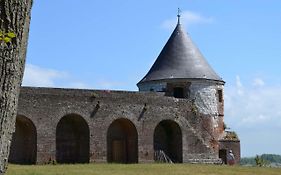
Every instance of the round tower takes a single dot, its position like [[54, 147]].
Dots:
[[181, 71]]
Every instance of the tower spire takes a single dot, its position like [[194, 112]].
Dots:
[[179, 15]]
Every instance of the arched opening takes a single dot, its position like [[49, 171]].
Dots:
[[122, 142], [223, 155], [168, 142], [23, 147], [178, 92], [72, 140]]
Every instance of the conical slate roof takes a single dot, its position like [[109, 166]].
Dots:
[[180, 59]]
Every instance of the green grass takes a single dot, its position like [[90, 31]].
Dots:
[[139, 169]]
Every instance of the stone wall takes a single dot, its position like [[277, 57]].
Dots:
[[207, 99], [156, 86], [233, 145], [45, 107]]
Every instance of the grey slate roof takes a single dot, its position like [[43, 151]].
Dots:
[[180, 59]]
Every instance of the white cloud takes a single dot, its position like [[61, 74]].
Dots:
[[38, 76], [44, 77], [254, 111], [250, 105], [258, 82], [239, 86], [188, 18], [77, 85], [106, 84], [238, 82]]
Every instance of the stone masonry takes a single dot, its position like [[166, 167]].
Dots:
[[177, 116], [45, 107]]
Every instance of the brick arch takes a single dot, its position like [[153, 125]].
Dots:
[[72, 140], [122, 142], [24, 143], [167, 141]]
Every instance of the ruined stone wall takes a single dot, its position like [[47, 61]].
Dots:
[[46, 106], [209, 106], [204, 92], [233, 145], [206, 100]]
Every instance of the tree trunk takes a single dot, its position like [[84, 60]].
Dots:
[[14, 18]]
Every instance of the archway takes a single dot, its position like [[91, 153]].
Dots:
[[122, 142], [223, 155], [72, 140], [168, 142], [23, 147]]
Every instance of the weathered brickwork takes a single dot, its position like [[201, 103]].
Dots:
[[176, 117], [234, 146], [45, 107], [205, 99], [156, 86]]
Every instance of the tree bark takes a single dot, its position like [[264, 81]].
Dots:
[[15, 18]]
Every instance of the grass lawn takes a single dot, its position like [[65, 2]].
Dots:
[[138, 169]]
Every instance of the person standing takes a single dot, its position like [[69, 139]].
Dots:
[[230, 158]]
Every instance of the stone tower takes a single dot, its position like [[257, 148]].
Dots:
[[181, 71], [183, 123]]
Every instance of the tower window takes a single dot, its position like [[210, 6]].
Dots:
[[178, 92], [220, 95]]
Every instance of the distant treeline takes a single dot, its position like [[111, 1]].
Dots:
[[269, 158]]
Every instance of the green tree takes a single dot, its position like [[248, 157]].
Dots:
[[14, 29], [260, 161], [272, 158]]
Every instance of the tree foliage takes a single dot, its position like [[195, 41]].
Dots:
[[262, 160], [273, 158]]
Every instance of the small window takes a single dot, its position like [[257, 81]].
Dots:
[[220, 95], [178, 92]]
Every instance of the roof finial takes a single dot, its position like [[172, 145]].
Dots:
[[179, 15]]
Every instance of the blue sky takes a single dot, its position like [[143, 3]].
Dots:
[[112, 44]]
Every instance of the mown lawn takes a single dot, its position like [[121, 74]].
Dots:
[[139, 169]]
